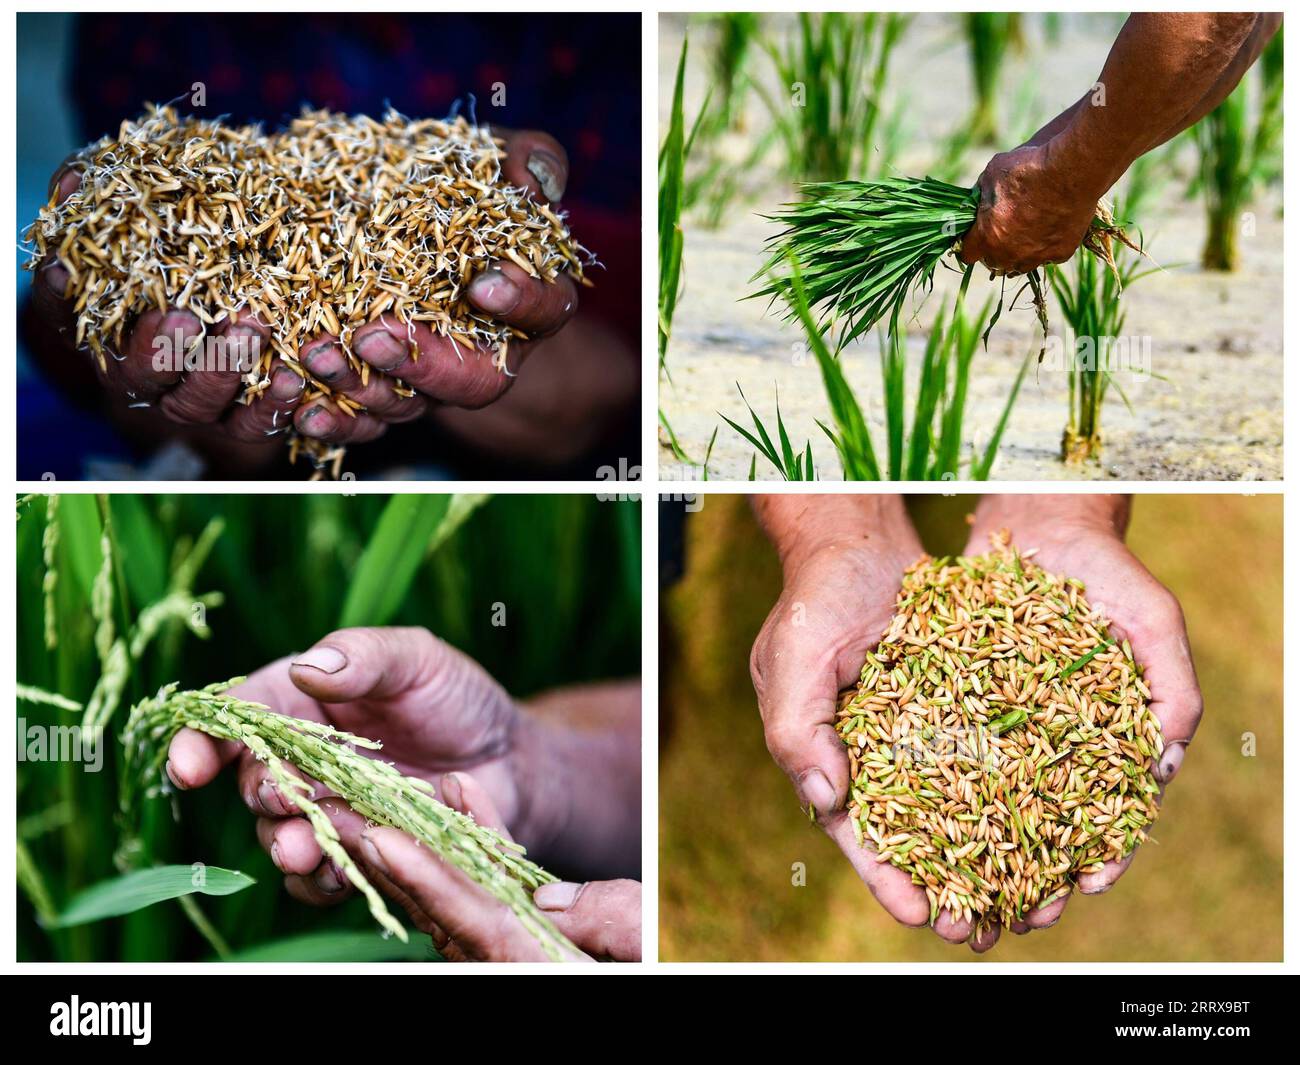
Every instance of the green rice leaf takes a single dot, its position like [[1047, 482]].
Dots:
[[134, 891]]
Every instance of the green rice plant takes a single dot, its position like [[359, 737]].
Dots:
[[1089, 297], [792, 465], [673, 154], [733, 42], [1236, 158], [989, 35], [865, 246], [832, 76], [1268, 136], [262, 577], [922, 444]]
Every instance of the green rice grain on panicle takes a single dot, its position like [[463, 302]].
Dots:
[[373, 788]]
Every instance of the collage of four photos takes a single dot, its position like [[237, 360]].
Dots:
[[409, 560]]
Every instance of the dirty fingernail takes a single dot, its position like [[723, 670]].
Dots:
[[316, 421], [328, 879], [381, 349], [171, 775], [286, 385], [326, 361], [1172, 761], [326, 659], [558, 896], [816, 789], [549, 174], [494, 292]]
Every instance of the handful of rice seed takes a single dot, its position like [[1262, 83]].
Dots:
[[318, 228], [373, 788], [1000, 742]]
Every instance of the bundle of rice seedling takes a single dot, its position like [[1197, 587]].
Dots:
[[318, 228], [373, 788], [863, 246], [1000, 740]]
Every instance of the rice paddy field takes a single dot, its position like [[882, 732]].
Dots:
[[1210, 407], [197, 589], [1207, 886]]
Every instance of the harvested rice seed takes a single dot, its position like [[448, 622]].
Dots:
[[982, 767]]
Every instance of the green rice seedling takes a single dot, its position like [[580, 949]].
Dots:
[[989, 34], [733, 42], [1090, 301], [864, 246], [792, 465], [831, 77], [672, 168], [1268, 135], [372, 787], [1236, 158], [927, 445]]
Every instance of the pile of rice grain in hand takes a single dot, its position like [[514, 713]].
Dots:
[[319, 228], [1000, 742]]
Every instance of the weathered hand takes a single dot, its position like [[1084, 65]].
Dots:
[[434, 709], [1029, 214], [440, 369], [837, 601], [1075, 539], [601, 918]]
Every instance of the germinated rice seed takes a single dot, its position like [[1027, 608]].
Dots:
[[319, 228], [1000, 742]]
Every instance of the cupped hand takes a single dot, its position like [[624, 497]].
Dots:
[[434, 709], [1139, 609], [155, 368], [1029, 212], [440, 369], [837, 602]]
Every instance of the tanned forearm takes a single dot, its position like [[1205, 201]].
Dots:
[[1165, 71]]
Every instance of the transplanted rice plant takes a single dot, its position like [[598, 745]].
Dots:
[[827, 110], [1236, 157], [989, 34], [143, 601], [673, 154], [733, 45], [923, 443], [1089, 296]]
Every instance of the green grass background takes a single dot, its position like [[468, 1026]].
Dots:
[[1208, 887], [565, 568]]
